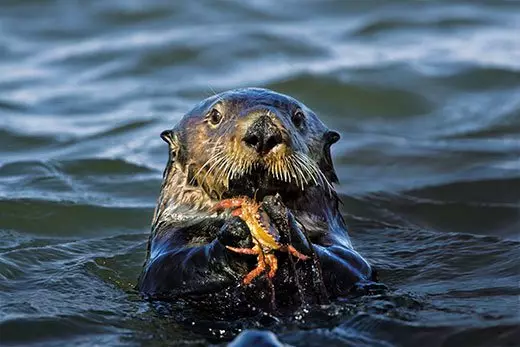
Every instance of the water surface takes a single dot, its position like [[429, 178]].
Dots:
[[425, 95]]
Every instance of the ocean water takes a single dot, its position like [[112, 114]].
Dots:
[[426, 96]]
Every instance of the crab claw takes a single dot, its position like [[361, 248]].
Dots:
[[229, 204]]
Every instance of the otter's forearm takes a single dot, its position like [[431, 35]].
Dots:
[[342, 268], [187, 270]]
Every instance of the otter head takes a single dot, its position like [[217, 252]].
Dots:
[[252, 142]]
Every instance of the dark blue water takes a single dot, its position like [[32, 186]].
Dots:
[[425, 95]]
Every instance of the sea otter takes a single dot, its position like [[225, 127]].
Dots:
[[272, 149]]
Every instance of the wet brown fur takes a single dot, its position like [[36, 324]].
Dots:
[[190, 182], [210, 160]]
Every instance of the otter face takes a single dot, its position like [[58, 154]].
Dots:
[[253, 142]]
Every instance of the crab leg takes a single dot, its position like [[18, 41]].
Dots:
[[251, 251], [237, 212], [272, 261], [255, 272], [297, 254]]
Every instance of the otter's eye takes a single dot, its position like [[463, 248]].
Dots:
[[297, 118], [215, 117]]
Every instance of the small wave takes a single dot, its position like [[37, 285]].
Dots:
[[63, 218], [369, 101], [11, 143], [70, 179], [52, 329], [390, 25], [486, 207], [385, 330]]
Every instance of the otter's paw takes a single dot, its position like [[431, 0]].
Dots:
[[278, 214], [235, 233], [284, 221]]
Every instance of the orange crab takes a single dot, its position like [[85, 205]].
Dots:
[[266, 238]]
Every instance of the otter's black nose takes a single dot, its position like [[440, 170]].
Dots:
[[263, 135]]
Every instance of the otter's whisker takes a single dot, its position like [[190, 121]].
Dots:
[[219, 98], [323, 179], [220, 157], [228, 169], [249, 167], [196, 175], [236, 170], [213, 157], [291, 169], [317, 173], [300, 166], [283, 164], [270, 170], [300, 176], [307, 165], [221, 168], [242, 166], [216, 163], [314, 171]]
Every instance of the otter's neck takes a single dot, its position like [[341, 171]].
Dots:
[[316, 201], [179, 201], [318, 213]]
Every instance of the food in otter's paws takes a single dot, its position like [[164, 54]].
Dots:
[[266, 237]]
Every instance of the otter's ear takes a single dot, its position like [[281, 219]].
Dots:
[[167, 136], [331, 137], [170, 137]]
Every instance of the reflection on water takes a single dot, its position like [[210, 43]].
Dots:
[[425, 95]]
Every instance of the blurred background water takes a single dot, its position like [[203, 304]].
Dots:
[[426, 96]]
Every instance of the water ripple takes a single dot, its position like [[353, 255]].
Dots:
[[424, 94]]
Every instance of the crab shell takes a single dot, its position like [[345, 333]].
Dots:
[[259, 223], [266, 234]]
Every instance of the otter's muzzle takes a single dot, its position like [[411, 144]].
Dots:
[[263, 135]]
